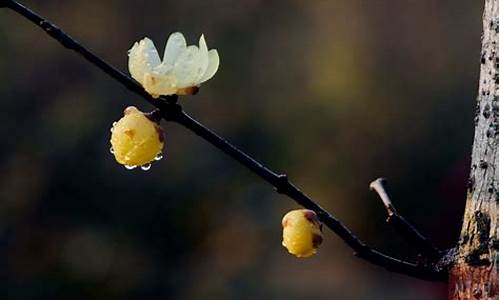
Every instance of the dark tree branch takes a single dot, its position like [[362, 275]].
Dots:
[[171, 111], [403, 227]]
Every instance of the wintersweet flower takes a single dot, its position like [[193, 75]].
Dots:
[[182, 70], [301, 232], [136, 139]]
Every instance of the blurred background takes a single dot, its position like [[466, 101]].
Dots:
[[335, 93]]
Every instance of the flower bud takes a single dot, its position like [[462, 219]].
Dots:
[[301, 232], [136, 140]]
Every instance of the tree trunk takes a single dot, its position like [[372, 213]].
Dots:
[[474, 274]]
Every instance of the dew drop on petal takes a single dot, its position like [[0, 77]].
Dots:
[[159, 156], [146, 167], [130, 167], [111, 150]]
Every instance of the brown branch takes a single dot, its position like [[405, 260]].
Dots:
[[402, 226], [171, 111]]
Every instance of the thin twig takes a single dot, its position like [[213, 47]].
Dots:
[[403, 227], [171, 111]]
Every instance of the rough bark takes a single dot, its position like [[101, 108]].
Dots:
[[474, 274]]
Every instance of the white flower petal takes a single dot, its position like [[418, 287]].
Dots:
[[143, 57], [185, 68], [203, 59], [159, 84], [163, 68], [213, 65], [176, 44]]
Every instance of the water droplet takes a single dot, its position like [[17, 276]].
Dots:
[[146, 167], [111, 150], [114, 123], [130, 167], [159, 156]]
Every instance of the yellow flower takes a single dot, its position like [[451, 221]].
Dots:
[[301, 232], [182, 70], [136, 140]]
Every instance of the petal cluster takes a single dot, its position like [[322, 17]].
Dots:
[[181, 71]]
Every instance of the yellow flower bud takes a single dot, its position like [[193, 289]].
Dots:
[[136, 140], [301, 232]]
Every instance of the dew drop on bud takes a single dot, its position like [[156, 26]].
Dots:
[[130, 167], [111, 150], [159, 156], [146, 167]]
